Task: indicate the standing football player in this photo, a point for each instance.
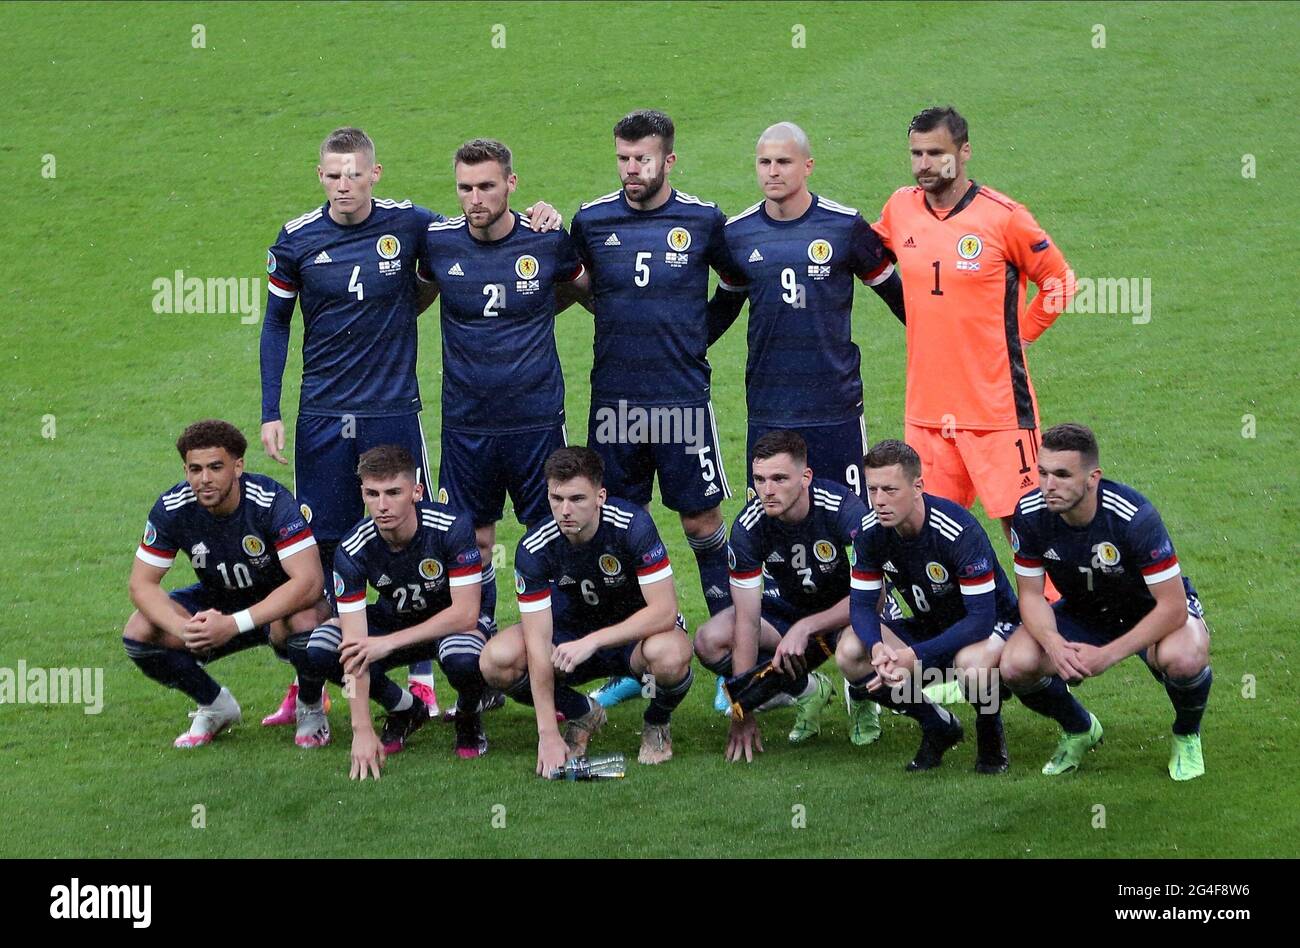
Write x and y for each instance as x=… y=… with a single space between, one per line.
x=649 y=249
x=939 y=558
x=596 y=598
x=965 y=253
x=502 y=387
x=422 y=560
x=259 y=582
x=352 y=264
x=799 y=254
x=794 y=535
x=1122 y=593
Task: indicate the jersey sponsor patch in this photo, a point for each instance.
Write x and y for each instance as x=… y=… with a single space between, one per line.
x=338 y=584
x=520 y=585
x=1015 y=541
x=150 y=533
x=270 y=262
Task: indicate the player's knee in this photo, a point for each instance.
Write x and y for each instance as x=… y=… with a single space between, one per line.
x=670 y=659
x=503 y=660
x=714 y=638
x=139 y=629
x=1018 y=664
x=703 y=524
x=1184 y=661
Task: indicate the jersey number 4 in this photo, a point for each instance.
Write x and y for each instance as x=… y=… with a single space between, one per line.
x=354 y=286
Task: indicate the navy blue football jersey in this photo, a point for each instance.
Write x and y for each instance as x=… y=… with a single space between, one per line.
x=806 y=562
x=356 y=286
x=803 y=367
x=500 y=370
x=237 y=554
x=1102 y=570
x=596 y=584
x=942 y=572
x=650 y=282
x=415 y=582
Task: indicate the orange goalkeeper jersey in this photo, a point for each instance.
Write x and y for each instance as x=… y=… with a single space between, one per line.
x=964 y=277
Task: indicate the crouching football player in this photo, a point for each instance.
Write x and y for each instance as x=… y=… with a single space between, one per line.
x=596 y=599
x=795 y=534
x=260 y=580
x=423 y=561
x=1122 y=593
x=939 y=557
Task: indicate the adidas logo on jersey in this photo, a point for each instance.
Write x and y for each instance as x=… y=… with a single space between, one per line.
x=613 y=241
x=1051 y=555
x=382 y=581
x=775 y=557
x=455 y=270
x=322 y=257
x=711 y=490
x=755 y=257
x=199 y=549
x=889 y=567
x=1027 y=481
x=909 y=242
x=566 y=580
x=713 y=592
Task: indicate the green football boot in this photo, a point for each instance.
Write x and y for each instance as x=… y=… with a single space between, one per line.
x=945 y=692
x=1072 y=747
x=864 y=719
x=808 y=719
x=1185 y=760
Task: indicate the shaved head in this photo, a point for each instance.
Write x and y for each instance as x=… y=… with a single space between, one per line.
x=786 y=132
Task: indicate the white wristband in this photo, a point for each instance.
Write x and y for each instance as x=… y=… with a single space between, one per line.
x=244 y=620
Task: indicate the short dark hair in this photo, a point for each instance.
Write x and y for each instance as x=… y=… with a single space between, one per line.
x=646 y=122
x=927 y=120
x=212 y=433
x=478 y=150
x=891 y=451
x=385 y=462
x=347 y=141
x=782 y=442
x=565 y=464
x=1072 y=436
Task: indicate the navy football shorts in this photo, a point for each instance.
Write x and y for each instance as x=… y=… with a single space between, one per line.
x=835 y=452
x=613 y=662
x=478 y=470
x=325 y=457
x=679 y=442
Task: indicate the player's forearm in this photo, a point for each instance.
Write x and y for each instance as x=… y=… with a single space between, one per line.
x=357 y=688
x=891 y=291
x=975 y=626
x=455 y=618
x=274 y=352
x=1056 y=287
x=836 y=617
x=541 y=675
x=299 y=593
x=1164 y=619
x=645 y=622
x=864 y=614
x=749 y=619
x=1037 y=616
x=155 y=605
x=723 y=310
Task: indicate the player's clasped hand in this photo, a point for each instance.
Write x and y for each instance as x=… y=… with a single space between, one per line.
x=551 y=754
x=569 y=655
x=789 y=655
x=208 y=630
x=367 y=756
x=1069 y=663
x=888 y=670
x=743 y=739
x=273 y=440
x=358 y=656
x=1090 y=659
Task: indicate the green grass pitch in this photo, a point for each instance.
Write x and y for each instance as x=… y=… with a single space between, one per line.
x=1164 y=154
